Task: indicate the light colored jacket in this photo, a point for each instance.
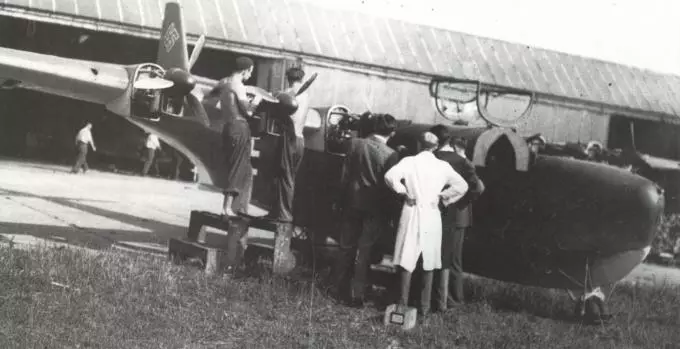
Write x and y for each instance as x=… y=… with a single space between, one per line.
x=420 y=226
x=84 y=135
x=152 y=142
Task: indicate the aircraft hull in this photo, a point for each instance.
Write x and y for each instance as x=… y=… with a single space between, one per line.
x=538 y=227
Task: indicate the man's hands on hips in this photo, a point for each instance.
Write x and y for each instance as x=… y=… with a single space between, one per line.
x=409 y=200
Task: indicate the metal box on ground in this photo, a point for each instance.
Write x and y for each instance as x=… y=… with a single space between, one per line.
x=400 y=315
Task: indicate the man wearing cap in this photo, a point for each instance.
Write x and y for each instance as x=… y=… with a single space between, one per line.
x=236 y=109
x=421 y=180
x=456 y=218
x=292 y=146
x=536 y=143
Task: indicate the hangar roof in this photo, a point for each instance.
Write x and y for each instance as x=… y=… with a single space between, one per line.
x=299 y=27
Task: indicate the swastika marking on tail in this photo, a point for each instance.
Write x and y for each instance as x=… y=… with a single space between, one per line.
x=170 y=38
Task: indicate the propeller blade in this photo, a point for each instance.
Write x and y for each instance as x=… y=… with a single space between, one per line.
x=197 y=51
x=153 y=84
x=196 y=109
x=631 y=126
x=307 y=83
x=258 y=91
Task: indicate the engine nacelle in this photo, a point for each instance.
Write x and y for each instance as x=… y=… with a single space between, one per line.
x=145 y=96
x=340 y=126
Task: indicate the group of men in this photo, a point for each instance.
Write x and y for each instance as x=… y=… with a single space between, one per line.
x=430 y=194
x=594 y=152
x=436 y=187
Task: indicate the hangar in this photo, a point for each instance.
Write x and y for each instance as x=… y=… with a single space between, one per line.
x=366 y=62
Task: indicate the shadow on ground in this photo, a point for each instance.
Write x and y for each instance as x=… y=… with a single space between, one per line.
x=157 y=232
x=500 y=296
x=314 y=264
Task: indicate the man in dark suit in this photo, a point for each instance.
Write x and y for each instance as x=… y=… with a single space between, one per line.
x=457 y=218
x=366 y=207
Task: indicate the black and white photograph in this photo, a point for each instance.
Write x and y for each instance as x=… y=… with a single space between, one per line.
x=391 y=174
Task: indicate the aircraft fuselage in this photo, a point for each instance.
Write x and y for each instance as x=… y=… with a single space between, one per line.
x=537 y=227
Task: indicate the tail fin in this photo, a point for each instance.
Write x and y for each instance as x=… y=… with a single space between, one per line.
x=172 y=46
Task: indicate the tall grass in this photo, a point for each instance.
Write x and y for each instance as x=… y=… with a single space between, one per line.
x=667 y=233
x=66 y=298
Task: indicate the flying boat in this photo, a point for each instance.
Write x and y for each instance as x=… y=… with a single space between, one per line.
x=552 y=222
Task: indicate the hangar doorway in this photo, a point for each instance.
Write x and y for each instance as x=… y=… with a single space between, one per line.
x=657 y=139
x=42 y=127
x=649 y=137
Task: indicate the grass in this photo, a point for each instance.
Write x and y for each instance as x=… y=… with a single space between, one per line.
x=667 y=233
x=67 y=298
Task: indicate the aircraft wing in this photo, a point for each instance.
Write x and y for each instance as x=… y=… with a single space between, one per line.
x=661 y=163
x=95 y=82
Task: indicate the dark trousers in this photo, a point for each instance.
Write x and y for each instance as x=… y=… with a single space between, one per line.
x=178 y=165
x=450 y=277
x=291 y=157
x=81 y=158
x=238 y=177
x=425 y=292
x=242 y=200
x=360 y=231
x=440 y=289
x=149 y=161
x=456 y=282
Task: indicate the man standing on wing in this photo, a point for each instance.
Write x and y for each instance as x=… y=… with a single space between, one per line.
x=292 y=147
x=236 y=142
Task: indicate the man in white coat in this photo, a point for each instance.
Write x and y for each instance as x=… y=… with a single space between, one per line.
x=422 y=179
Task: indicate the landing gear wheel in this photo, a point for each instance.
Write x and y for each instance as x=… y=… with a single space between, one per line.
x=590 y=306
x=592 y=311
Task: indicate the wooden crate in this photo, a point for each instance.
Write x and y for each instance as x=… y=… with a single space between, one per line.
x=213 y=258
x=216 y=257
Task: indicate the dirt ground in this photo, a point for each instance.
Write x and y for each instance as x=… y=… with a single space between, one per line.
x=98 y=210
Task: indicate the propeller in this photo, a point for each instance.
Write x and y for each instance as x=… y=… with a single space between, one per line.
x=193 y=102
x=197 y=108
x=259 y=91
x=184 y=85
x=197 y=51
x=307 y=83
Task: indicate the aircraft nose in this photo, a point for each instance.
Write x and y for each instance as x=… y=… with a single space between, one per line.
x=619 y=212
x=652 y=196
x=646 y=203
